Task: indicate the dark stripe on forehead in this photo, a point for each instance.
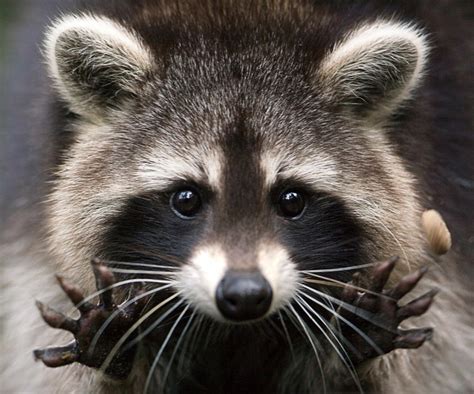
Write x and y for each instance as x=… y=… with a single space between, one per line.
x=242 y=175
x=242 y=198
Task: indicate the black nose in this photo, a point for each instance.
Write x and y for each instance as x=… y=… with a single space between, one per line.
x=243 y=296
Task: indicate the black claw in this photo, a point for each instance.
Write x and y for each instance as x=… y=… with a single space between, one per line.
x=418 y=306
x=75 y=295
x=356 y=279
x=56 y=319
x=57 y=356
x=412 y=339
x=104 y=279
x=381 y=273
x=407 y=284
x=349 y=294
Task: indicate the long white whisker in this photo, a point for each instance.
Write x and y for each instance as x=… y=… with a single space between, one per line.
x=342 y=355
x=273 y=325
x=144 y=253
x=124 y=337
x=192 y=340
x=338 y=283
x=353 y=326
x=162 y=348
x=366 y=315
x=309 y=336
x=152 y=326
x=117 y=284
x=376 y=216
x=170 y=362
x=115 y=313
x=192 y=334
x=351 y=268
x=170 y=267
x=287 y=335
x=132 y=271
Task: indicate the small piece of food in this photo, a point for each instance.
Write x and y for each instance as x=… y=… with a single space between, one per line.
x=436 y=231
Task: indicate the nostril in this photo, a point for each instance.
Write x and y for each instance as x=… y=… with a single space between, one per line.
x=261 y=299
x=232 y=301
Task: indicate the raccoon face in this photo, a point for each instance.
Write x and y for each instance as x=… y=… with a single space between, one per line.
x=240 y=169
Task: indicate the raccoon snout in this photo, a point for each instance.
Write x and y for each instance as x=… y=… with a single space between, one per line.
x=242 y=296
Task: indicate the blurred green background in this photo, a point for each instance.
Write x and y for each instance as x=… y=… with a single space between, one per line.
x=8 y=11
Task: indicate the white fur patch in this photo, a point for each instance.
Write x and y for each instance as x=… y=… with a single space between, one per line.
x=276 y=266
x=199 y=278
x=160 y=169
x=321 y=173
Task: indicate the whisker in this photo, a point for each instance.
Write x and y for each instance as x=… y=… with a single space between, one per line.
x=154 y=325
x=274 y=326
x=170 y=362
x=376 y=216
x=337 y=283
x=192 y=334
x=170 y=267
x=130 y=271
x=124 y=337
x=353 y=309
x=330 y=245
x=104 y=326
x=323 y=282
x=117 y=284
x=162 y=348
x=287 y=335
x=153 y=254
x=351 y=268
x=350 y=324
x=344 y=356
x=194 y=339
x=309 y=336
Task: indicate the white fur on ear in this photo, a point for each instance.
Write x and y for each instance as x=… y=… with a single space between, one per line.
x=93 y=60
x=375 y=67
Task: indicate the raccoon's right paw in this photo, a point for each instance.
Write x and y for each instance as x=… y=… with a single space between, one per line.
x=97 y=330
x=375 y=316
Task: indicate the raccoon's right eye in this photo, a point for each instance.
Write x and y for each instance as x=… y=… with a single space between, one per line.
x=186 y=203
x=291 y=204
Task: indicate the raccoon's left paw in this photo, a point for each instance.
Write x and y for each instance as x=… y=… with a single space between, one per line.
x=376 y=314
x=98 y=329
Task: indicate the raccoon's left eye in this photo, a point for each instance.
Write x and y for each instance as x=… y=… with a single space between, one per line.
x=291 y=204
x=186 y=203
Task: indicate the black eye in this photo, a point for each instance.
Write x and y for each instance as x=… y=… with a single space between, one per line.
x=186 y=203
x=291 y=204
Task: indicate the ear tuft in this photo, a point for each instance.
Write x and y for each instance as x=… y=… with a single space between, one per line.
x=95 y=62
x=375 y=68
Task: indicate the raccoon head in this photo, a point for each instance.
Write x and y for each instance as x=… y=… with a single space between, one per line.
x=239 y=166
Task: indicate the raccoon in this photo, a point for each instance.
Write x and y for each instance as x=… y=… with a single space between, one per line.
x=231 y=180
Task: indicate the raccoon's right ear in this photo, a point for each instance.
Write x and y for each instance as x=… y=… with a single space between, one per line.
x=96 y=63
x=374 y=69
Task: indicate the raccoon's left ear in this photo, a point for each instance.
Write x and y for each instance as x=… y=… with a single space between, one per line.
x=374 y=69
x=96 y=63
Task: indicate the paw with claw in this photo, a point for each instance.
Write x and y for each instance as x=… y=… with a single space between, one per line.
x=93 y=318
x=375 y=312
